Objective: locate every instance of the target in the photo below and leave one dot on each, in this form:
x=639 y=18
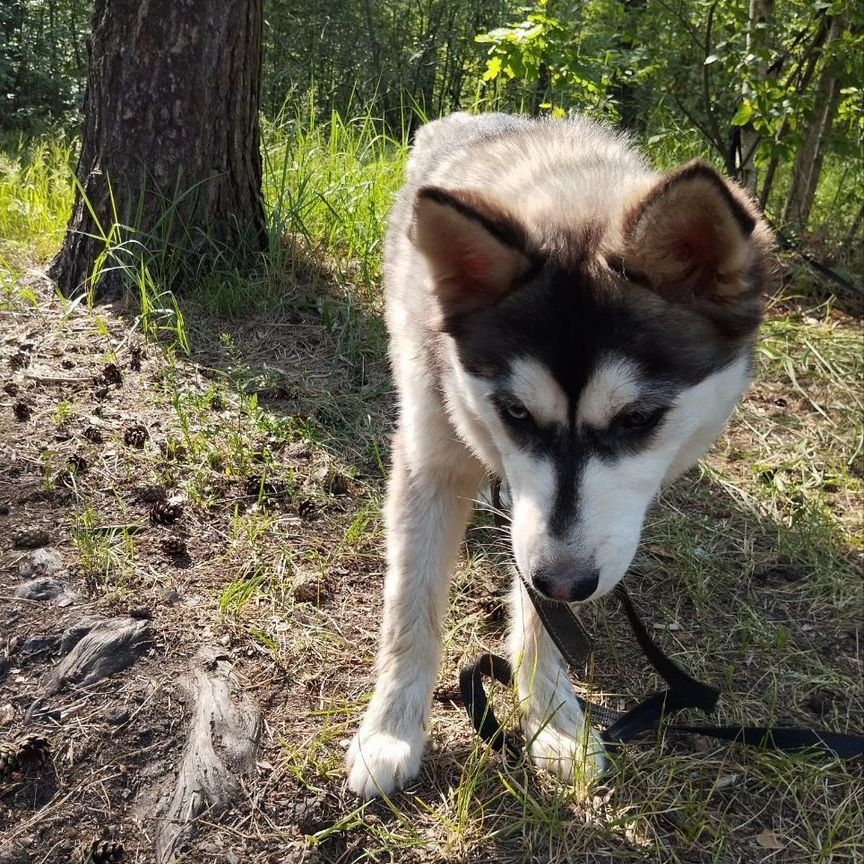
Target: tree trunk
x=808 y=159
x=800 y=77
x=759 y=17
x=171 y=140
x=633 y=118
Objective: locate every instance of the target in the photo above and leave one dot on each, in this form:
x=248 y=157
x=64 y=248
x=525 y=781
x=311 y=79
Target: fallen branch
x=222 y=744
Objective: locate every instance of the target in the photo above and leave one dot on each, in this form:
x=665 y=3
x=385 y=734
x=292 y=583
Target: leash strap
x=684 y=691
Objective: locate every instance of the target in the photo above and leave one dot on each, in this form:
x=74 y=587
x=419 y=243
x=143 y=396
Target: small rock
x=115 y=716
x=44 y=588
x=43 y=562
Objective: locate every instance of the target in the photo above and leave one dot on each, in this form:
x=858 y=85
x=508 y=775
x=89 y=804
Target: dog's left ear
x=474 y=249
x=692 y=237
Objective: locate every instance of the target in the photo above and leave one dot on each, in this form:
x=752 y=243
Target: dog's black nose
x=565 y=582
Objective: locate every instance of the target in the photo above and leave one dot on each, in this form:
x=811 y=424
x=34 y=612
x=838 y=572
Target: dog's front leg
x=556 y=734
x=427 y=508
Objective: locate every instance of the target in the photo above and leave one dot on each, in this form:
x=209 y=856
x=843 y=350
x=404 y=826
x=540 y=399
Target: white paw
x=379 y=764
x=574 y=754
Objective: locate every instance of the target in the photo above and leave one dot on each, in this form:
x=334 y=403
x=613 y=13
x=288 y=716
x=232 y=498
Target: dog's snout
x=566 y=581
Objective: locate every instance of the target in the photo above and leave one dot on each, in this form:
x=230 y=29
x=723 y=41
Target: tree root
x=222 y=744
x=105 y=648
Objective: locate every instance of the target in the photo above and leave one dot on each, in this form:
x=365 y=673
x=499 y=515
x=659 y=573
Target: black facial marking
x=571 y=321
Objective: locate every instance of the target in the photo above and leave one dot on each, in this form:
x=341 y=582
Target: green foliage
x=43 y=61
x=35 y=196
x=695 y=78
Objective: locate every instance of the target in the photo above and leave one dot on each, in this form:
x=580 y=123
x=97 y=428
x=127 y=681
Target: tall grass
x=329 y=187
x=35 y=197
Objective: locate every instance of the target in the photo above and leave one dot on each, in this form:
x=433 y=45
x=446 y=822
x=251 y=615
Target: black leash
x=683 y=691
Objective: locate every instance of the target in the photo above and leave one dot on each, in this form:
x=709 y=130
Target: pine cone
x=19 y=360
x=111 y=374
x=135 y=436
x=10 y=388
x=257 y=486
x=30 y=538
x=66 y=363
x=99 y=852
x=175 y=547
x=8 y=758
x=166 y=512
x=33 y=751
x=173 y=450
x=22 y=411
x=93 y=434
x=306 y=509
x=150 y=493
x=77 y=464
x=135 y=357
x=23 y=755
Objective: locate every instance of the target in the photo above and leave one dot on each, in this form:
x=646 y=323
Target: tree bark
x=625 y=89
x=809 y=158
x=760 y=14
x=170 y=145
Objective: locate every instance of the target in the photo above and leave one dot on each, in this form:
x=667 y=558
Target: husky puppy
x=580 y=325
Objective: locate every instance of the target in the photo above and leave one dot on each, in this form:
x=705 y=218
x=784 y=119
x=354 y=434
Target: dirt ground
x=212 y=518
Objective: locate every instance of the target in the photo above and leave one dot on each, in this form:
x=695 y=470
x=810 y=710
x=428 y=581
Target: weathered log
x=108 y=647
x=222 y=744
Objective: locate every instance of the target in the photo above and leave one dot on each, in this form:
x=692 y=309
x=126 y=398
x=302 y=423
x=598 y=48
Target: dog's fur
x=562 y=316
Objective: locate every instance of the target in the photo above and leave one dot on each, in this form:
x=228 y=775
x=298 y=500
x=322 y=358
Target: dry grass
x=274 y=430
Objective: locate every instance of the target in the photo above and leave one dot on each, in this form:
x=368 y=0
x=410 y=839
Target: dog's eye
x=516 y=411
x=639 y=419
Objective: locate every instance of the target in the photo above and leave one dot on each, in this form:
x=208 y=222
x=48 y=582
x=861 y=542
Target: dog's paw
x=575 y=755
x=379 y=764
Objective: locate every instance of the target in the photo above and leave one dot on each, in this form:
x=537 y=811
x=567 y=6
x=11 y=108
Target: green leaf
x=742 y=117
x=493 y=69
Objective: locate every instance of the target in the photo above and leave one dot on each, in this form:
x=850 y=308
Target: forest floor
x=222 y=491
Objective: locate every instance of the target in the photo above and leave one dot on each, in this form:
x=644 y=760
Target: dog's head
x=588 y=364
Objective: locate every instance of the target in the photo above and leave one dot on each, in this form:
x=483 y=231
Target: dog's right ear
x=475 y=251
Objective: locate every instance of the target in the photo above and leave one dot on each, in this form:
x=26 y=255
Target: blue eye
x=517 y=411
